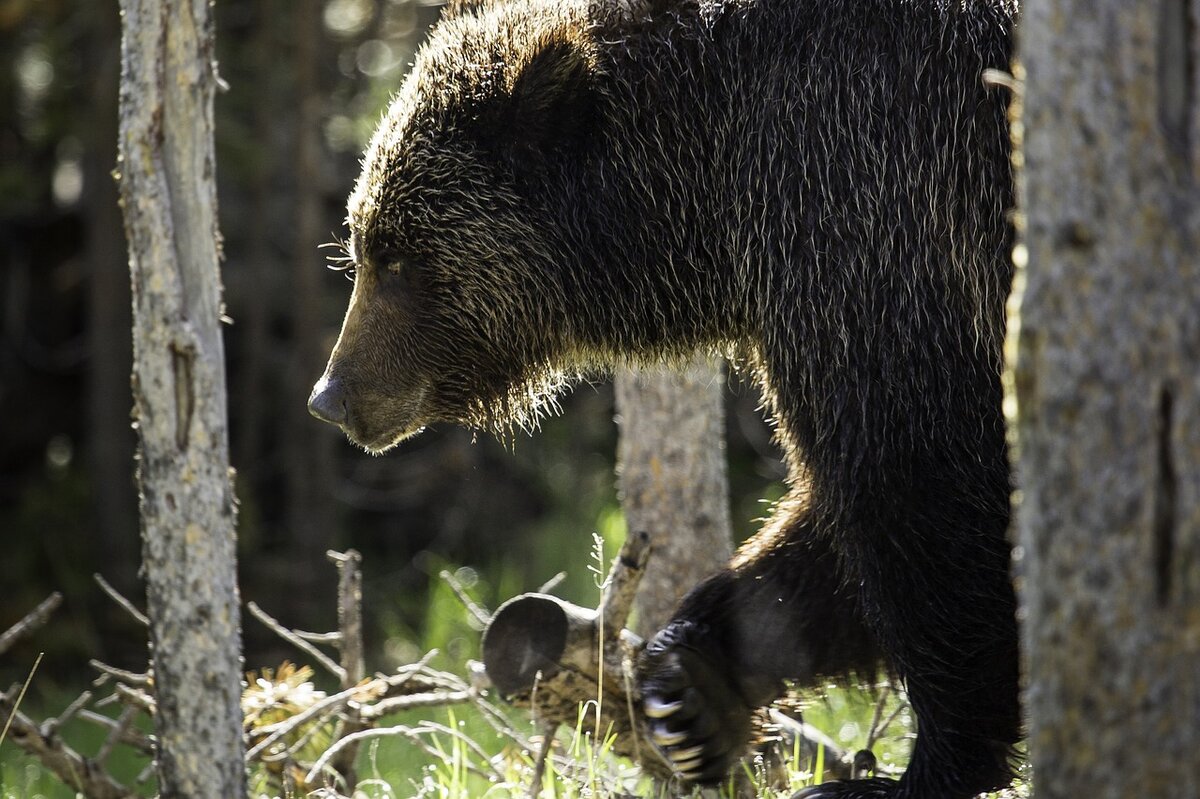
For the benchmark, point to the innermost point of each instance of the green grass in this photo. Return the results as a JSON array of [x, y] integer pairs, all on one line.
[[447, 762], [581, 766]]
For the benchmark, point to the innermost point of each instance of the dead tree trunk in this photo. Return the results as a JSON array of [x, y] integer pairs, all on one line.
[[1107, 397], [169, 198], [671, 460]]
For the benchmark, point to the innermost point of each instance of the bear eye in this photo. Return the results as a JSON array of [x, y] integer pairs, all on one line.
[[387, 258]]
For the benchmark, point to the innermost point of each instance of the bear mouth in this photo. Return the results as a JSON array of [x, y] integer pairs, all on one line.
[[384, 423], [380, 443]]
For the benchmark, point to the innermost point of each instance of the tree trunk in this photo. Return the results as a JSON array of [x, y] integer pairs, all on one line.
[[671, 462], [1106, 396], [169, 199]]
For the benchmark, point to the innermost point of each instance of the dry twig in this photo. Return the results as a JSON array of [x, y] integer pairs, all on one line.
[[295, 640], [119, 598], [122, 724], [123, 677], [415, 735], [539, 763], [888, 721], [474, 608], [51, 726], [33, 620], [325, 707], [130, 736], [132, 697]]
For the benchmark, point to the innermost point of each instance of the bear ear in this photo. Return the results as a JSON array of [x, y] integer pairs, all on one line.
[[550, 107]]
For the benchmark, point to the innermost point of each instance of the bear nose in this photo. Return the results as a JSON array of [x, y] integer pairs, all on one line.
[[328, 402]]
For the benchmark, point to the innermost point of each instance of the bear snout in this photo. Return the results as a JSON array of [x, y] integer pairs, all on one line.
[[328, 402]]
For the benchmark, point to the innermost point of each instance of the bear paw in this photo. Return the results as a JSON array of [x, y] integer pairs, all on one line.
[[695, 714], [877, 788]]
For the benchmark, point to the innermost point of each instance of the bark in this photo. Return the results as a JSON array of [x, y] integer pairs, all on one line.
[[1105, 334], [169, 199], [673, 481]]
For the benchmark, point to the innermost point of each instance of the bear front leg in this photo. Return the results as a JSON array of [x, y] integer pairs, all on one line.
[[698, 712], [784, 613]]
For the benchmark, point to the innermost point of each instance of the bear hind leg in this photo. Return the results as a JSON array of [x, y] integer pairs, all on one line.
[[948, 624]]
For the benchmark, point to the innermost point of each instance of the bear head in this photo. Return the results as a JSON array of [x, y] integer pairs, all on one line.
[[457, 312]]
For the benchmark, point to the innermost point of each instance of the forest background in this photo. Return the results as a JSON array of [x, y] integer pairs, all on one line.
[[306, 83], [1103, 390]]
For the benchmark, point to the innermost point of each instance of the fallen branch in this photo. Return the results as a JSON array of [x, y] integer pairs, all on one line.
[[552, 656], [279, 746]]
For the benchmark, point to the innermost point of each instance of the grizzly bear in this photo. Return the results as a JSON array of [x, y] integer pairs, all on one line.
[[817, 188]]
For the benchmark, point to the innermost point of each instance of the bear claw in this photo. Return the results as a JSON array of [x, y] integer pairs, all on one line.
[[666, 738], [656, 709], [682, 756], [696, 716]]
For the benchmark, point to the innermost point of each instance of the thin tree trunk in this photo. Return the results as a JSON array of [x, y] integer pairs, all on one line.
[[674, 486], [1106, 384], [169, 198]]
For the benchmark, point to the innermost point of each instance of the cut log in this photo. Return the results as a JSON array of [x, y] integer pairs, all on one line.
[[555, 658]]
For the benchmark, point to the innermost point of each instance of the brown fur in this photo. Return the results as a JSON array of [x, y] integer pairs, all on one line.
[[816, 185]]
